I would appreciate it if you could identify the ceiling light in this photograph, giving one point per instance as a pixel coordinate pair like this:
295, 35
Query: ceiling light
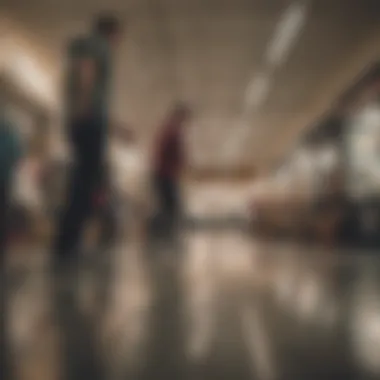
287, 31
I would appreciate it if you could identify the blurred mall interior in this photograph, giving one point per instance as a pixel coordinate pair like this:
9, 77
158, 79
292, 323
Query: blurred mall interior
272, 270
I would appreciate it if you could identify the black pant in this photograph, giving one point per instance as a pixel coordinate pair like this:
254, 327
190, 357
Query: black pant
88, 143
167, 192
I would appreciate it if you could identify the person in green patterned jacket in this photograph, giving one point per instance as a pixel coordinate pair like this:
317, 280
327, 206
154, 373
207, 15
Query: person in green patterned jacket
86, 107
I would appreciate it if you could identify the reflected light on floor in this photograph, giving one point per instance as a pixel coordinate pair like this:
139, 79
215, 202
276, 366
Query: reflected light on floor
309, 297
199, 253
285, 284
200, 284
126, 328
200, 313
236, 257
366, 337
258, 344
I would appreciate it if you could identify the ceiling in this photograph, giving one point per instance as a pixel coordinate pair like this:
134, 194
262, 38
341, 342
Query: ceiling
250, 102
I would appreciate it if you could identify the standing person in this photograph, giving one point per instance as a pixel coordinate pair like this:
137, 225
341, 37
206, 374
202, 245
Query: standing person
86, 112
169, 163
10, 153
87, 98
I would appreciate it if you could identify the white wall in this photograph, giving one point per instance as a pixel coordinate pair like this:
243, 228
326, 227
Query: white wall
24, 67
217, 199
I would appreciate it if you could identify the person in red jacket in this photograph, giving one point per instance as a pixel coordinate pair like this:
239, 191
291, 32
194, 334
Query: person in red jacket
169, 162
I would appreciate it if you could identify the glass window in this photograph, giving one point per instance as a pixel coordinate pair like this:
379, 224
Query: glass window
363, 158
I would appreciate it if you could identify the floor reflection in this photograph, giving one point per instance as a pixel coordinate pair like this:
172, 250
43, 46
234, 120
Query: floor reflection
214, 304
126, 325
365, 322
200, 294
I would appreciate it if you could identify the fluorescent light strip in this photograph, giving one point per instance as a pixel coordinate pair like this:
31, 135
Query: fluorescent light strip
287, 31
257, 91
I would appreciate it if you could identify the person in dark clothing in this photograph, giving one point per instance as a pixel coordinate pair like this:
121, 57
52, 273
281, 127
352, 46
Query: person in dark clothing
10, 154
87, 97
169, 164
87, 119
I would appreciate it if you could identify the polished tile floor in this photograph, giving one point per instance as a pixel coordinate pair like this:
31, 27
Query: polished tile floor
213, 303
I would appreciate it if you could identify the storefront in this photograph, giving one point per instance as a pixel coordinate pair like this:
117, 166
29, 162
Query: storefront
353, 129
362, 142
